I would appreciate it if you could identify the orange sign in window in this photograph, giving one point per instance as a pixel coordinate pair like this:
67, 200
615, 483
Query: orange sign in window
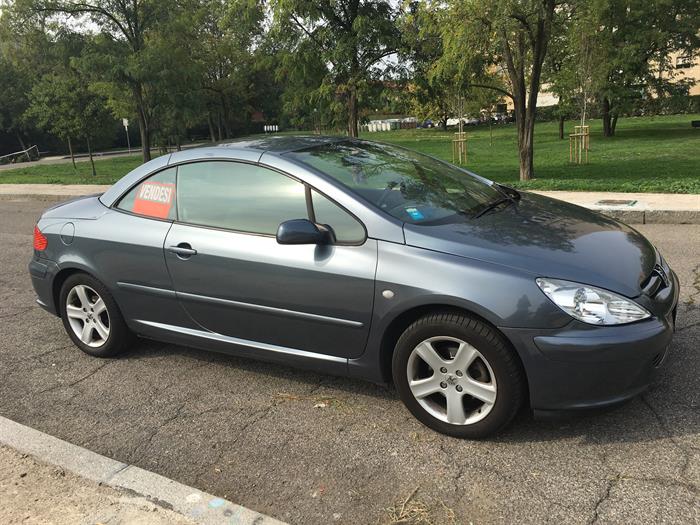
155, 199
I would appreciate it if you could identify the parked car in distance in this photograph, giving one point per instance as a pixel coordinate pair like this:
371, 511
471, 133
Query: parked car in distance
367, 260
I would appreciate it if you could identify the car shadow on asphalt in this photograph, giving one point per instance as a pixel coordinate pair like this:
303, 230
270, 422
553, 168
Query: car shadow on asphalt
652, 416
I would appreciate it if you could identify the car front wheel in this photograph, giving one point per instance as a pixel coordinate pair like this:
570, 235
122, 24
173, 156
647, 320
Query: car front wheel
457, 375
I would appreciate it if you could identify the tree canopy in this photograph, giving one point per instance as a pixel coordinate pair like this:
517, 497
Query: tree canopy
220, 68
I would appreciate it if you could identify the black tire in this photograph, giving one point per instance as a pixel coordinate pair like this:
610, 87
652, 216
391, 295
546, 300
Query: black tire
119, 338
502, 359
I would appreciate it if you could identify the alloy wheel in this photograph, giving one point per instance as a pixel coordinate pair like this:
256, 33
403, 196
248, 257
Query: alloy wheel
87, 315
451, 380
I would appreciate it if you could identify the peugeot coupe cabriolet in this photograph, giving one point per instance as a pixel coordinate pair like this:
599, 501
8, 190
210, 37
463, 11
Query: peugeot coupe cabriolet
362, 259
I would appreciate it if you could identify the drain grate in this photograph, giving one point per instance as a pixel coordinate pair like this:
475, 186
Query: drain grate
616, 202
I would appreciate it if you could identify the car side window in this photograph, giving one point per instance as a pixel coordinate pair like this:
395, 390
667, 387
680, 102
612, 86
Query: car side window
238, 196
154, 197
347, 229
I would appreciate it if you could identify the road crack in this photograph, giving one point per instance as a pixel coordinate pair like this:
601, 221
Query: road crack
610, 484
685, 452
695, 296
77, 381
686, 327
149, 440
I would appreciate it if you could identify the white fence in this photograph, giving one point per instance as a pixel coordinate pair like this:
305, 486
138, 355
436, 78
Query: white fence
29, 154
390, 124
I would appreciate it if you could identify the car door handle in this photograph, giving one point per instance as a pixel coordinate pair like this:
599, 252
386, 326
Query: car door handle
183, 250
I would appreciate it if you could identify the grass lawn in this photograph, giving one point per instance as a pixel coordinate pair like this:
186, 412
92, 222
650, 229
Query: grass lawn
648, 154
108, 170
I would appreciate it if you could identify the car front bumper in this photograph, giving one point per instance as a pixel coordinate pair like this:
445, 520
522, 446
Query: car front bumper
582, 366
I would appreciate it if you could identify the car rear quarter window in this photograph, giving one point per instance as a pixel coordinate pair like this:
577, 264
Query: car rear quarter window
347, 229
238, 196
154, 197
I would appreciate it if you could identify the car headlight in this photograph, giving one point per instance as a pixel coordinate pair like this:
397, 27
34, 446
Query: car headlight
590, 304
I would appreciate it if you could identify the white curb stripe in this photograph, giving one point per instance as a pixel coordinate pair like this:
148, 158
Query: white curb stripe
194, 504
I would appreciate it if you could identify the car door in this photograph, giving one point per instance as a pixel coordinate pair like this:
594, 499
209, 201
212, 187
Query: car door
130, 257
234, 279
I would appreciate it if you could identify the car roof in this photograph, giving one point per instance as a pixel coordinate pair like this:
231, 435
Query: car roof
277, 143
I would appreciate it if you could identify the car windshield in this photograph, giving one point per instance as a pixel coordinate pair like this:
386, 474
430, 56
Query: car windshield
412, 187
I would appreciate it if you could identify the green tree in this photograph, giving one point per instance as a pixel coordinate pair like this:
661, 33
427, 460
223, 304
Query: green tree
302, 72
13, 101
53, 106
507, 38
632, 42
62, 104
351, 37
226, 36
176, 89
429, 88
568, 67
25, 54
121, 70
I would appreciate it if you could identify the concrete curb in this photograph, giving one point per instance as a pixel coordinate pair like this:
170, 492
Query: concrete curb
191, 503
38, 197
44, 197
651, 216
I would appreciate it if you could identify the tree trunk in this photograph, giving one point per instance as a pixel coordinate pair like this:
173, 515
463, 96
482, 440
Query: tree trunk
70, 149
178, 143
613, 124
144, 125
526, 134
561, 127
211, 127
352, 112
92, 161
21, 142
524, 100
225, 114
608, 130
145, 140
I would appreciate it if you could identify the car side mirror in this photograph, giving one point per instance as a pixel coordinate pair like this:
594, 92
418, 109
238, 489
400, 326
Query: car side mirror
301, 231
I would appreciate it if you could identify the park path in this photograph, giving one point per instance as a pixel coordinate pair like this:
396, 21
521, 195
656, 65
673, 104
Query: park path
83, 157
65, 160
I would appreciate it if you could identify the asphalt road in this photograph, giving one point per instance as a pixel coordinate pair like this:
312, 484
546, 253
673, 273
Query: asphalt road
309, 448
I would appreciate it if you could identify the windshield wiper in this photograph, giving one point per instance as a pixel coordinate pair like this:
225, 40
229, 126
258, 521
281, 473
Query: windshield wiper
511, 193
494, 204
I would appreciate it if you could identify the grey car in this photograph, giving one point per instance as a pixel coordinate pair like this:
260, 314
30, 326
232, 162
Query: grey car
367, 260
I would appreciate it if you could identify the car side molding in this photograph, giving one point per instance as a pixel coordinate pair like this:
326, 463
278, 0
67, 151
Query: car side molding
238, 304
269, 309
295, 352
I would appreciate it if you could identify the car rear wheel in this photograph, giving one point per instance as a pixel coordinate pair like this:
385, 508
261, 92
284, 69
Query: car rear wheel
457, 375
91, 317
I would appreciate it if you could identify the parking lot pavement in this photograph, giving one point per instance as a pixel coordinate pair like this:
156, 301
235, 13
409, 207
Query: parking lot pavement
308, 448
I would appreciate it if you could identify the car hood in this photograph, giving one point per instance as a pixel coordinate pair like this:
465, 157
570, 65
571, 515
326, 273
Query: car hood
548, 238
